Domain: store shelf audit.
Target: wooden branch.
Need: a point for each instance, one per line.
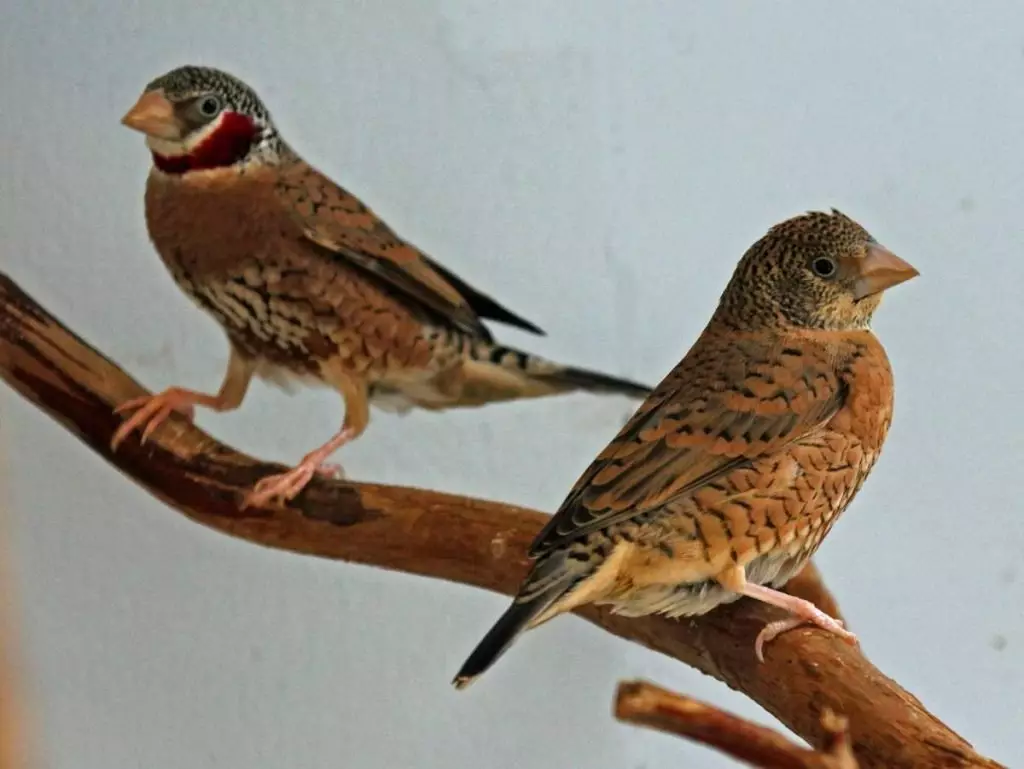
(644, 704)
(464, 540)
(14, 741)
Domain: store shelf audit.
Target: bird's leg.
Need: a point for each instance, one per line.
(153, 410)
(283, 487)
(802, 611)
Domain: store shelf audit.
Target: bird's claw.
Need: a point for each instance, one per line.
(152, 411)
(774, 629)
(281, 488)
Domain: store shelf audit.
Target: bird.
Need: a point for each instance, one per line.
(730, 474)
(310, 285)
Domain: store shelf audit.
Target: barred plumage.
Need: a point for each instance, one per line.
(734, 469)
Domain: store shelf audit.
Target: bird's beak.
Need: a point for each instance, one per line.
(153, 115)
(881, 269)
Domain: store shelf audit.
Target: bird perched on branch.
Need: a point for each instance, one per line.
(308, 282)
(731, 473)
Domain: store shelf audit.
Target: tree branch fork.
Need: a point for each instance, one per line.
(806, 673)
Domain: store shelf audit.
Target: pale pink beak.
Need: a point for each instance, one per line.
(154, 116)
(881, 269)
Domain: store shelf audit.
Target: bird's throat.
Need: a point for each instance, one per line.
(225, 146)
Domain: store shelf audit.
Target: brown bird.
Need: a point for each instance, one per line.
(309, 283)
(731, 473)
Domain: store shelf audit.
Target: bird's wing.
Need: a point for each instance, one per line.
(483, 305)
(343, 228)
(726, 403)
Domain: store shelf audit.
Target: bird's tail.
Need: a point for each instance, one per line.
(492, 372)
(545, 594)
(520, 616)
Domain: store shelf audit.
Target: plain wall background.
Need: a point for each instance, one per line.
(599, 167)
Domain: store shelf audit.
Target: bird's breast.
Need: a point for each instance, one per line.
(867, 412)
(233, 251)
(233, 248)
(214, 223)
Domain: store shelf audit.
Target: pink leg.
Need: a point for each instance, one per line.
(153, 410)
(286, 486)
(803, 611)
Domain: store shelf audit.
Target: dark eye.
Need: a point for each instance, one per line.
(824, 267)
(209, 106)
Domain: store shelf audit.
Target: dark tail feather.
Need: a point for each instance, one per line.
(499, 638)
(596, 382)
(496, 372)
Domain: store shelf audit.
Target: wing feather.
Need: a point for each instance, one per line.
(728, 402)
(340, 226)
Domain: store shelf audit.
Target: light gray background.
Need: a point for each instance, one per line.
(599, 167)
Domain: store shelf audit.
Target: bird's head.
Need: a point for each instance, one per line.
(200, 118)
(815, 271)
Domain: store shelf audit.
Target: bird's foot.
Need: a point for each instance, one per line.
(807, 613)
(153, 410)
(281, 488)
(802, 611)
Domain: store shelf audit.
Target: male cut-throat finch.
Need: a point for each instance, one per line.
(308, 283)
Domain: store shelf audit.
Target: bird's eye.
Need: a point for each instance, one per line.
(209, 106)
(824, 267)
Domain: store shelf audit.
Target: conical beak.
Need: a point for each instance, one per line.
(881, 269)
(154, 116)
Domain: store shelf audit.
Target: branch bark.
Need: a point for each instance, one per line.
(644, 704)
(14, 716)
(463, 540)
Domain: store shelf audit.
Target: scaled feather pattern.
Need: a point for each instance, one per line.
(309, 283)
(729, 476)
